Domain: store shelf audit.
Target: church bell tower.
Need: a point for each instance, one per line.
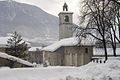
(65, 23)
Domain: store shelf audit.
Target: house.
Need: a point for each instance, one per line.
(67, 52)
(35, 55)
(14, 62)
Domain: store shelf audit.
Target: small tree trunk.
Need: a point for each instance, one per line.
(114, 51)
(105, 49)
(114, 48)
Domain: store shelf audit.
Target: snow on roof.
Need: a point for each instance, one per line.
(100, 51)
(87, 41)
(6, 56)
(35, 48)
(67, 42)
(64, 42)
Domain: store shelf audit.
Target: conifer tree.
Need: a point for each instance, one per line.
(16, 46)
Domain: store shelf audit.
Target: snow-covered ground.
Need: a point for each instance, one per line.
(92, 71)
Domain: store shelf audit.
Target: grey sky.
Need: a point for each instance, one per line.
(55, 6)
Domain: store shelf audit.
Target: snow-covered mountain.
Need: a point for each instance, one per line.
(30, 21)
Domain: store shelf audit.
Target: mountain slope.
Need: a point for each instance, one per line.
(30, 21)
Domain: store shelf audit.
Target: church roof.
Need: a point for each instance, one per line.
(35, 49)
(64, 42)
(73, 41)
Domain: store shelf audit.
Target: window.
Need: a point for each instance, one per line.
(66, 18)
(86, 50)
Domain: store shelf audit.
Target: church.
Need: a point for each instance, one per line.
(67, 51)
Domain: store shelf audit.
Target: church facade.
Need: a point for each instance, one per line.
(67, 51)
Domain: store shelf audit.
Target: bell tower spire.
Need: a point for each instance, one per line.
(65, 23)
(65, 7)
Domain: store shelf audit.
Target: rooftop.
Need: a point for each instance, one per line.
(35, 49)
(6, 56)
(73, 41)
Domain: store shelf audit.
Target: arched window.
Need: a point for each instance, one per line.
(66, 18)
(86, 50)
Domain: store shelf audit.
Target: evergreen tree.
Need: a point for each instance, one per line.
(16, 46)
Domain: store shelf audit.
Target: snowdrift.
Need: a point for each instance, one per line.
(92, 71)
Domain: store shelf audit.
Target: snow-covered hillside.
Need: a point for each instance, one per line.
(30, 21)
(92, 71)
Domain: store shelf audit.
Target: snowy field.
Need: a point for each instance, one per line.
(92, 71)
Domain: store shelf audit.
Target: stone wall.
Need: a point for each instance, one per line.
(65, 28)
(70, 56)
(77, 56)
(35, 56)
(54, 58)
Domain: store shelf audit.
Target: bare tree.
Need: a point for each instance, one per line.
(116, 1)
(102, 18)
(112, 21)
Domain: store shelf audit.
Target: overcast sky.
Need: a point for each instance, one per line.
(55, 6)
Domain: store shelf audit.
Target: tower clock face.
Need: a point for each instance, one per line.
(66, 18)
